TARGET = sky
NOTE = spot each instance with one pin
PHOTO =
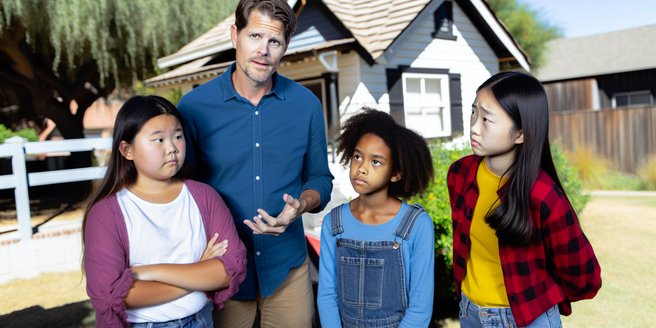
(588, 17)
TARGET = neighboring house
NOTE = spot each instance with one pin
(609, 70)
(419, 60)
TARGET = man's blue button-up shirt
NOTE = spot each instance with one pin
(253, 155)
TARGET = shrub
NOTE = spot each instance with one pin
(648, 173)
(436, 202)
(593, 169)
(570, 178)
(27, 133)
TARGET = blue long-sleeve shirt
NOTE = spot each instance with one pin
(418, 258)
(253, 155)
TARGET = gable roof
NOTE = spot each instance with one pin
(600, 54)
(376, 23)
(373, 24)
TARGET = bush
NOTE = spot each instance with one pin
(648, 173)
(570, 178)
(436, 202)
(27, 133)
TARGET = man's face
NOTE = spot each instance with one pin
(260, 46)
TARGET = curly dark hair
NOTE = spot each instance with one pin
(410, 154)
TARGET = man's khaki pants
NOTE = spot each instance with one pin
(291, 305)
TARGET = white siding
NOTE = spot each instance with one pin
(470, 56)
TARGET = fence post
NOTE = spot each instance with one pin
(20, 192)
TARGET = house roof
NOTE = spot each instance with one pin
(600, 54)
(198, 68)
(376, 23)
(369, 26)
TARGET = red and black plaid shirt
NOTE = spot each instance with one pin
(558, 267)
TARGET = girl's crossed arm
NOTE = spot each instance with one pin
(159, 283)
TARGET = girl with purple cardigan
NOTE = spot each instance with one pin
(149, 234)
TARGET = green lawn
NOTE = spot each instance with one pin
(622, 231)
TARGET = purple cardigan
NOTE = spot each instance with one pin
(107, 253)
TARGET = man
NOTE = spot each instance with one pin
(259, 139)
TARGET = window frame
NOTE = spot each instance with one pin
(445, 104)
(442, 13)
(629, 94)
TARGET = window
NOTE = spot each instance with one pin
(444, 21)
(426, 104)
(636, 98)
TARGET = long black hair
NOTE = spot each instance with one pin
(121, 172)
(523, 98)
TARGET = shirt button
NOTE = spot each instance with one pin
(257, 144)
(257, 253)
(257, 177)
(257, 113)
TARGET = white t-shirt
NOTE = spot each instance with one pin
(164, 233)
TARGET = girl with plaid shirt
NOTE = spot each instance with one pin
(519, 255)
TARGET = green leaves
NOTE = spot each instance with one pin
(123, 37)
(527, 26)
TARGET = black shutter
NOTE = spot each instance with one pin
(395, 92)
(455, 93)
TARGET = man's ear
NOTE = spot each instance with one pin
(233, 35)
(519, 136)
(126, 150)
(396, 177)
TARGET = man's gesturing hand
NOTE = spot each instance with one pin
(277, 225)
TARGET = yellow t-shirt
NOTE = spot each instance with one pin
(483, 283)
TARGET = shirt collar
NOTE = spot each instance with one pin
(229, 91)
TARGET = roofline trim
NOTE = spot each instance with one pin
(185, 57)
(501, 32)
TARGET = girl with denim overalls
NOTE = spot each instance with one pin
(377, 253)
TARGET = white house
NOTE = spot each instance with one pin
(419, 60)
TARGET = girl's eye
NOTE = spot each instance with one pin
(375, 162)
(356, 157)
(178, 137)
(485, 119)
(159, 140)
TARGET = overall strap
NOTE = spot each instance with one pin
(336, 220)
(408, 220)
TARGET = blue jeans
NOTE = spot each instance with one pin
(200, 319)
(474, 316)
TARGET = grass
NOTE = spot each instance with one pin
(622, 231)
(48, 291)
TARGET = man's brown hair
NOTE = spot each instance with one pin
(275, 9)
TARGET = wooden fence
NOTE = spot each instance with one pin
(625, 136)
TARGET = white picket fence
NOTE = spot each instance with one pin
(20, 180)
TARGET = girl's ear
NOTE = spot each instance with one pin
(126, 150)
(396, 177)
(519, 136)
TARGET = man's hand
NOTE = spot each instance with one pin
(275, 226)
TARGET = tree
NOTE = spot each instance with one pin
(526, 25)
(53, 53)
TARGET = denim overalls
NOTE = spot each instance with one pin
(370, 275)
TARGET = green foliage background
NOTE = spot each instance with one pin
(436, 202)
(124, 37)
(528, 26)
(28, 133)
